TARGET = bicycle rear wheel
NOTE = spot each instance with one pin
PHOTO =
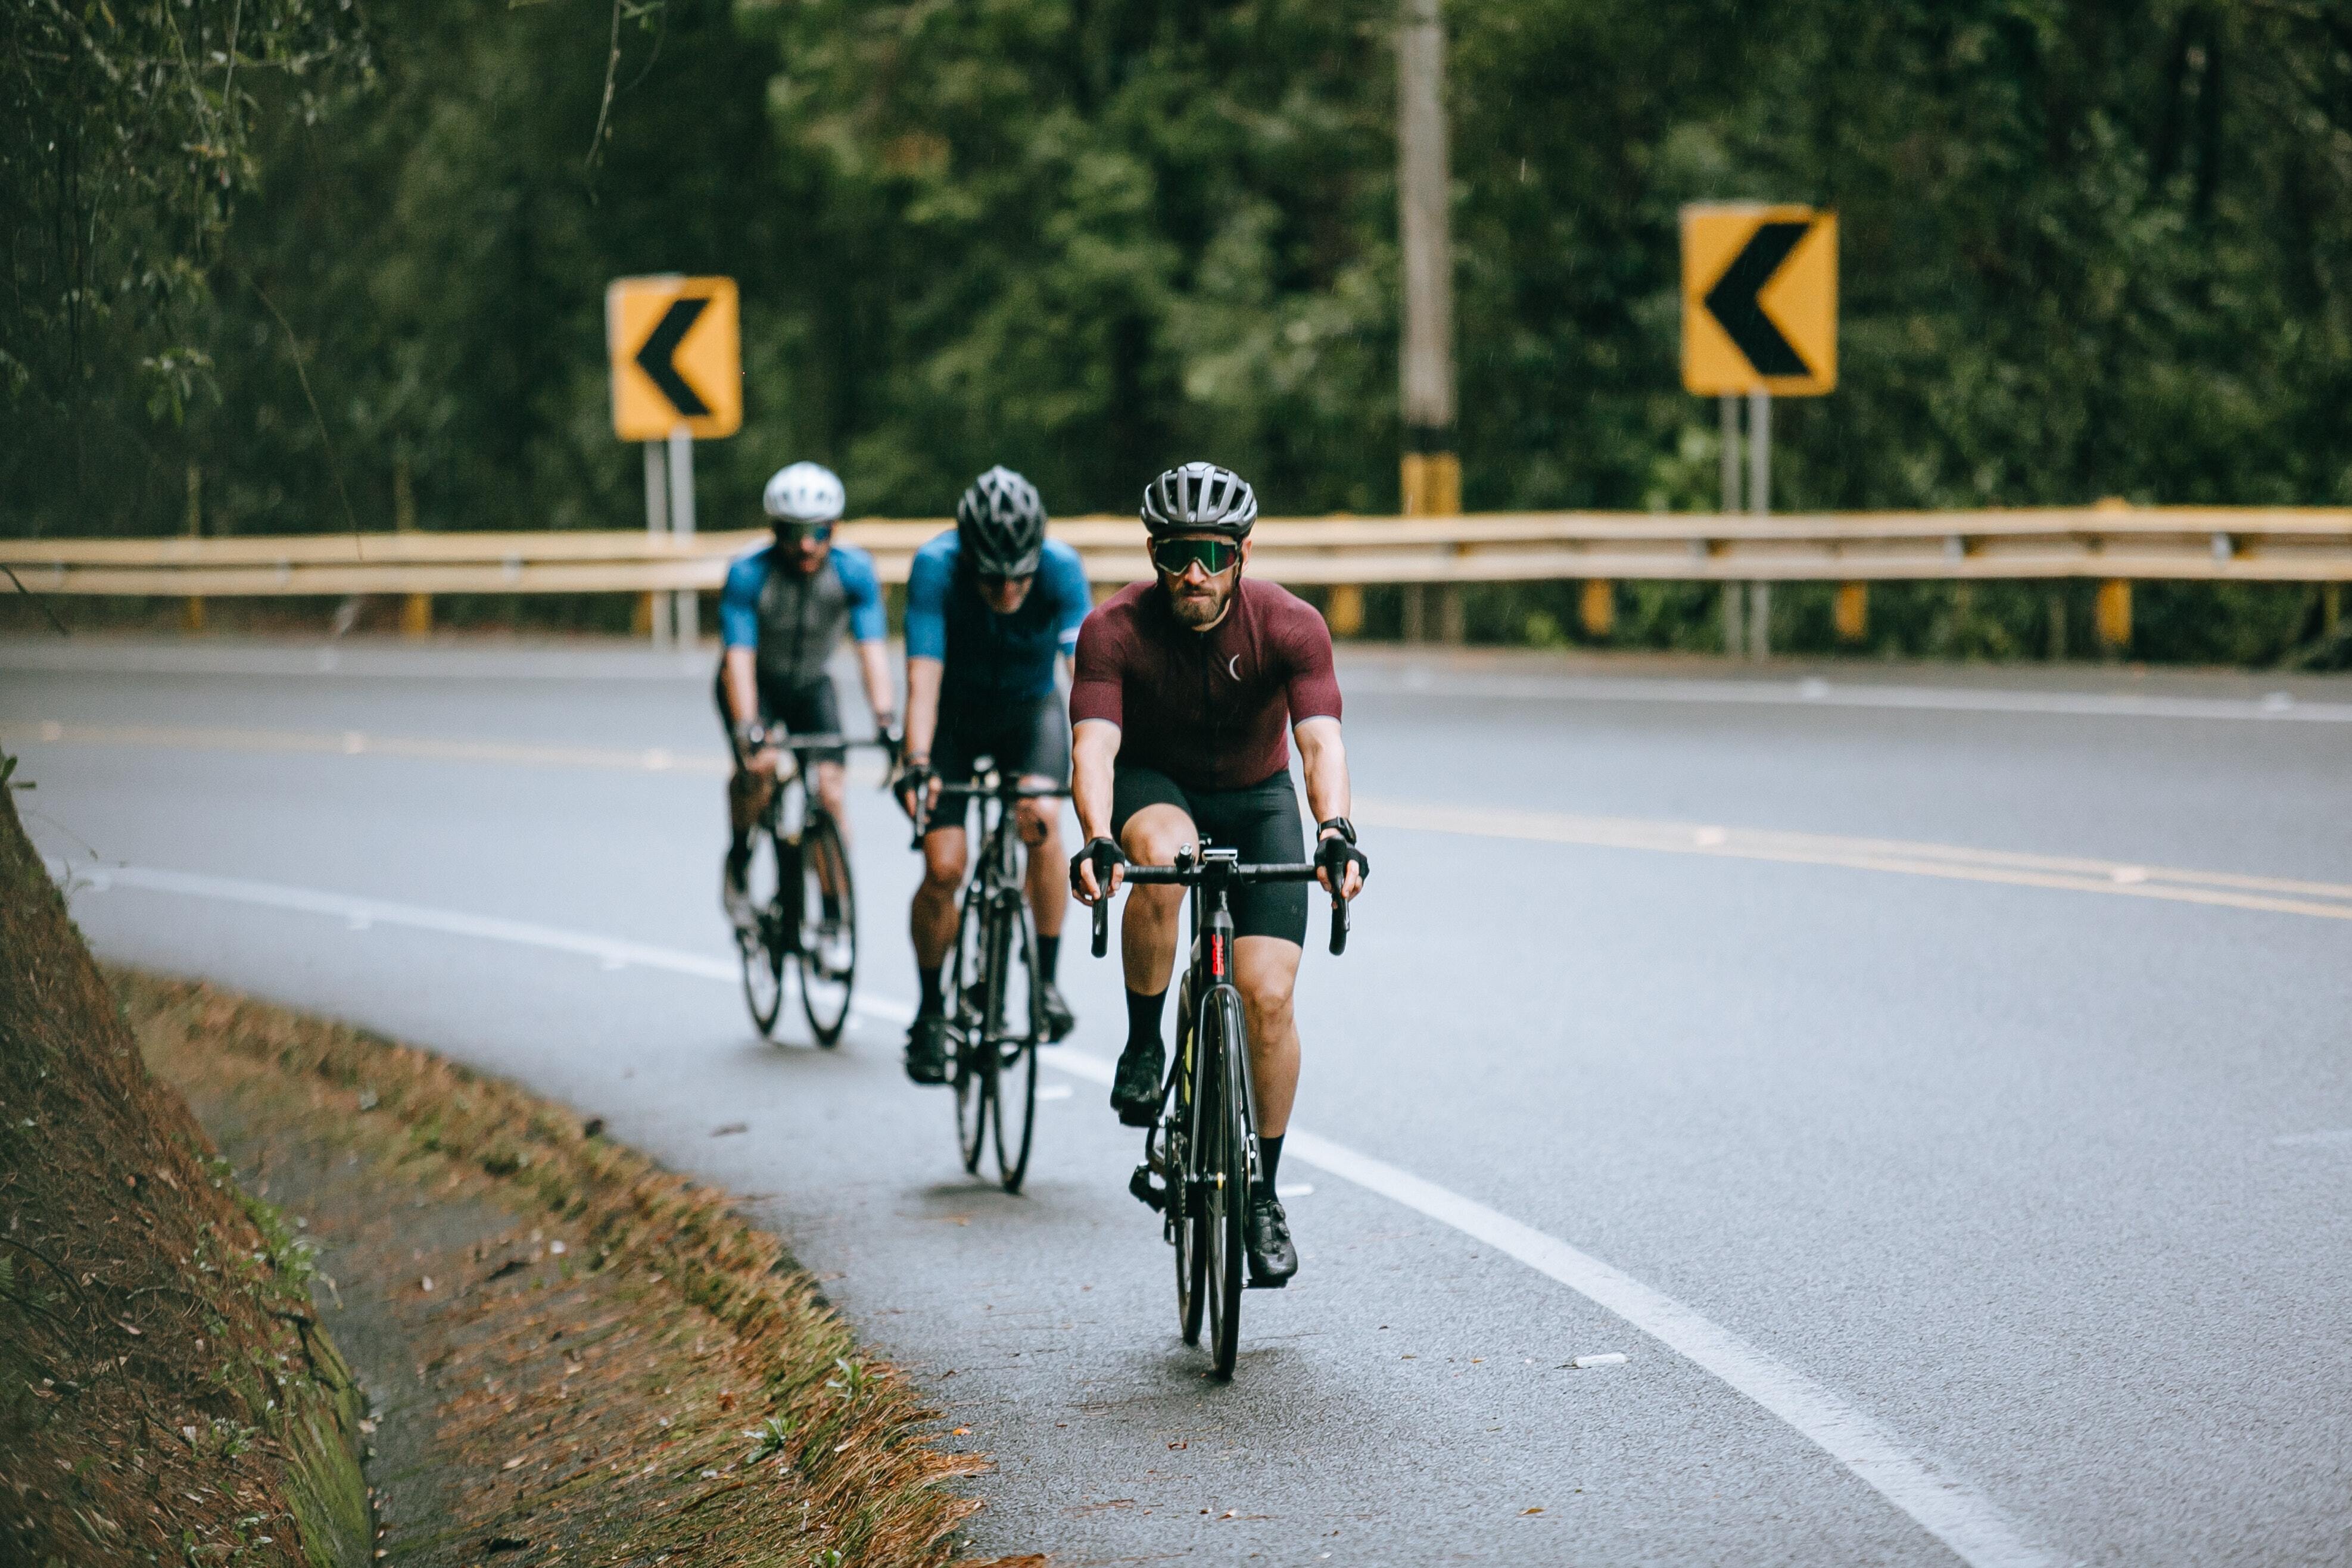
(1224, 1163)
(1016, 1079)
(761, 948)
(974, 1066)
(827, 956)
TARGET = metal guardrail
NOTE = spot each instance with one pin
(2226, 544)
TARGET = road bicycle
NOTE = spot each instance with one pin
(1201, 1157)
(997, 1020)
(796, 852)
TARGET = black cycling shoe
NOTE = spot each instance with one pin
(1059, 1019)
(1265, 1234)
(926, 1054)
(1135, 1088)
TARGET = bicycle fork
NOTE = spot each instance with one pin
(1166, 1164)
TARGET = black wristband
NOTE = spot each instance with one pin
(1341, 825)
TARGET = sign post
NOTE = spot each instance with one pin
(1760, 317)
(676, 353)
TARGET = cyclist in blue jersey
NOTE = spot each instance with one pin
(780, 616)
(992, 616)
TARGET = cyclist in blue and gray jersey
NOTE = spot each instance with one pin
(782, 615)
(993, 615)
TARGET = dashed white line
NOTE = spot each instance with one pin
(1947, 1507)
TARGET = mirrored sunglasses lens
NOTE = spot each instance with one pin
(1213, 555)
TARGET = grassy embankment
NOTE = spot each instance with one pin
(614, 1365)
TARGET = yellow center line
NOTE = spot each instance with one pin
(1952, 862)
(2228, 890)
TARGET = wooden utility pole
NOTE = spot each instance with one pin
(1430, 470)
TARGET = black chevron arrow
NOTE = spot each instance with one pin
(654, 358)
(1733, 302)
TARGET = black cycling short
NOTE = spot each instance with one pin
(813, 709)
(1261, 820)
(1027, 738)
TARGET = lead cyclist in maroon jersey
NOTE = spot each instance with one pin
(1187, 690)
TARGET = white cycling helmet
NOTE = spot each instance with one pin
(805, 492)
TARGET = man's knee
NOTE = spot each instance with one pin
(747, 793)
(942, 864)
(1267, 998)
(1155, 834)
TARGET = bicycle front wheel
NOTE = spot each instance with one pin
(827, 956)
(1016, 1055)
(1225, 1165)
(761, 948)
(1195, 1100)
(974, 1064)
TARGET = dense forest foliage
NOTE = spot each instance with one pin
(2091, 247)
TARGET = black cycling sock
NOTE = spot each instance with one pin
(738, 851)
(1049, 953)
(1269, 1155)
(1143, 1017)
(932, 1003)
(832, 903)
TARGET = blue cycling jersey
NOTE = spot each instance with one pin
(987, 656)
(795, 619)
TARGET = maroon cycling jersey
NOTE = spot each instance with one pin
(1213, 709)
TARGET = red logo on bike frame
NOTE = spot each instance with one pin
(1217, 957)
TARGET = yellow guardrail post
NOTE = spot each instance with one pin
(192, 612)
(416, 609)
(1598, 607)
(1850, 612)
(2113, 609)
(2115, 614)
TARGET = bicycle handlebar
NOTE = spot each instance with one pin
(1237, 875)
(1008, 793)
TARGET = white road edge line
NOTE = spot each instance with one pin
(1947, 1507)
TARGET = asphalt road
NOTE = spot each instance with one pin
(1935, 1085)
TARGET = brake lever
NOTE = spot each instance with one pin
(1338, 925)
(1102, 925)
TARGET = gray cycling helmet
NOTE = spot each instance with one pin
(1001, 524)
(1199, 498)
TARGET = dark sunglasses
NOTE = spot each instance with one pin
(996, 581)
(805, 533)
(1173, 556)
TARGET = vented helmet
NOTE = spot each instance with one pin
(805, 492)
(1199, 498)
(1001, 524)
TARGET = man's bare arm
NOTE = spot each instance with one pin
(922, 706)
(874, 664)
(742, 684)
(1094, 749)
(1323, 759)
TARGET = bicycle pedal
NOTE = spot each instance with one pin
(1148, 1192)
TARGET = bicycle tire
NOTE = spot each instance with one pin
(1017, 1059)
(1189, 1232)
(1227, 1168)
(973, 1067)
(761, 948)
(824, 989)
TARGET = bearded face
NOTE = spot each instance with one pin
(1199, 597)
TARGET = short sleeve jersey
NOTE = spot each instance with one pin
(988, 657)
(1211, 710)
(795, 618)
